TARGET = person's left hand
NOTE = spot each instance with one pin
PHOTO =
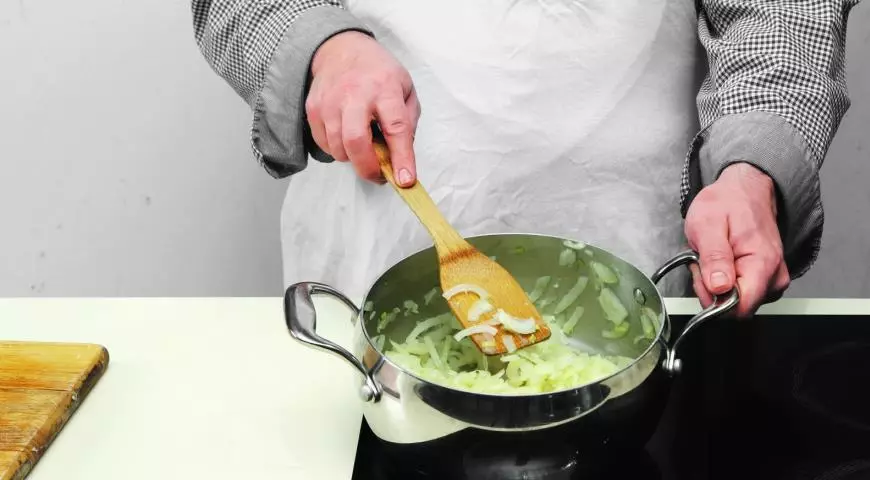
(732, 225)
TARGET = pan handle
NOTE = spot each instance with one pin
(301, 320)
(718, 308)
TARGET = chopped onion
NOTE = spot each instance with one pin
(647, 322)
(478, 308)
(387, 318)
(567, 257)
(433, 353)
(574, 245)
(612, 307)
(557, 364)
(410, 307)
(550, 298)
(604, 273)
(465, 288)
(474, 329)
(572, 295)
(483, 363)
(618, 331)
(446, 345)
(540, 286)
(378, 341)
(427, 299)
(423, 326)
(522, 326)
(369, 306)
(509, 344)
(572, 320)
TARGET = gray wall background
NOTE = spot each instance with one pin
(125, 167)
(843, 268)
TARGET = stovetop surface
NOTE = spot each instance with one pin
(777, 397)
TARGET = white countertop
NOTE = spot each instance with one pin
(216, 388)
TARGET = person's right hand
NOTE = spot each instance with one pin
(355, 81)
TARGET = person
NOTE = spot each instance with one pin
(594, 120)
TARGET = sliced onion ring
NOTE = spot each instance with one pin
(540, 286)
(478, 308)
(574, 245)
(572, 295)
(522, 326)
(465, 288)
(605, 273)
(473, 330)
(509, 344)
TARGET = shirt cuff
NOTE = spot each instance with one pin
(771, 144)
(280, 136)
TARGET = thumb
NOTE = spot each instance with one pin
(717, 260)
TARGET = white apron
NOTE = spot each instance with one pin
(559, 117)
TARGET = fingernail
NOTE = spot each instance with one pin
(718, 279)
(404, 176)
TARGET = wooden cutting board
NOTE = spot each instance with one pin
(41, 385)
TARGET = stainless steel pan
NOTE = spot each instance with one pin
(404, 409)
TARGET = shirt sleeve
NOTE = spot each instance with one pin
(773, 97)
(263, 50)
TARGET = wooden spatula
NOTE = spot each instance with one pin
(461, 265)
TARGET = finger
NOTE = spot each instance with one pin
(332, 126)
(357, 141)
(783, 278)
(710, 238)
(753, 290)
(755, 275)
(395, 123)
(772, 296)
(412, 103)
(315, 121)
(704, 296)
(779, 285)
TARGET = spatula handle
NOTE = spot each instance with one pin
(445, 237)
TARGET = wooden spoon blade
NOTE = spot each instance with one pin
(471, 267)
(462, 264)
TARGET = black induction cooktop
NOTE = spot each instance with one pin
(777, 397)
